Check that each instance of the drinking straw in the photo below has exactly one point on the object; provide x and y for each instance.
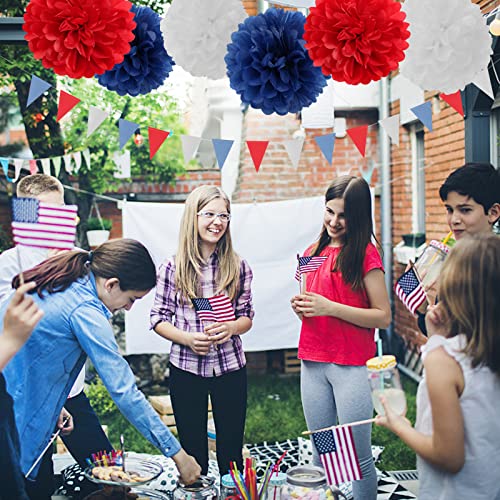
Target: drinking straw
(277, 465)
(447, 237)
(267, 475)
(238, 481)
(378, 340)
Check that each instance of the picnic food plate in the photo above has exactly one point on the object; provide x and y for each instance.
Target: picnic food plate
(138, 471)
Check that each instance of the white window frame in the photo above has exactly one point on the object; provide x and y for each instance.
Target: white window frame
(417, 138)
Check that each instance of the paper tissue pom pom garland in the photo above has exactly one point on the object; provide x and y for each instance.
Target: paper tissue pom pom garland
(449, 44)
(79, 39)
(268, 65)
(147, 64)
(356, 41)
(197, 32)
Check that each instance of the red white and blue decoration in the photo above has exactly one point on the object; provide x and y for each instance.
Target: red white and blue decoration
(197, 32)
(147, 65)
(356, 41)
(214, 309)
(79, 39)
(268, 65)
(449, 46)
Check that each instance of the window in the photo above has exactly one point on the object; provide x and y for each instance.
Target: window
(495, 132)
(418, 177)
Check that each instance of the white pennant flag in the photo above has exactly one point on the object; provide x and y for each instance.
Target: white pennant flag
(96, 117)
(482, 82)
(57, 165)
(294, 149)
(45, 165)
(189, 146)
(67, 163)
(18, 165)
(391, 127)
(77, 158)
(122, 162)
(86, 156)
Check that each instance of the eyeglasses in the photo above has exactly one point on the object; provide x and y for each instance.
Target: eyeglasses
(224, 217)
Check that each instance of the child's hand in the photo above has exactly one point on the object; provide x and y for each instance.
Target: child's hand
(220, 333)
(67, 426)
(295, 307)
(312, 304)
(391, 420)
(199, 343)
(436, 321)
(21, 317)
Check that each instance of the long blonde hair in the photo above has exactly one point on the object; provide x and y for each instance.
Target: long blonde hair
(469, 292)
(189, 259)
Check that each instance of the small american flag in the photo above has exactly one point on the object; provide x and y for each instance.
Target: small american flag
(410, 291)
(338, 454)
(307, 264)
(215, 309)
(37, 224)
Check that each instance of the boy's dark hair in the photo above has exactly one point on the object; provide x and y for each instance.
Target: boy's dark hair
(480, 181)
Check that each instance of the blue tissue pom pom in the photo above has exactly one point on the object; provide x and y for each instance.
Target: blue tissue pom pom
(147, 65)
(268, 65)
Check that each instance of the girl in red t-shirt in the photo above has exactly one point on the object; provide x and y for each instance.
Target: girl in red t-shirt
(344, 300)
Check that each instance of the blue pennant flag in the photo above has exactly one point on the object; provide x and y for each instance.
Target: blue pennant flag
(222, 148)
(424, 113)
(5, 168)
(37, 88)
(326, 144)
(126, 129)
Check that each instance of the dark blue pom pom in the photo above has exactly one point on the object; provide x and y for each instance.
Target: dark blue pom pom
(147, 64)
(268, 65)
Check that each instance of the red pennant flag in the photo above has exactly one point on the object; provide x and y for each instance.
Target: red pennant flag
(66, 103)
(156, 139)
(257, 151)
(33, 167)
(454, 100)
(358, 136)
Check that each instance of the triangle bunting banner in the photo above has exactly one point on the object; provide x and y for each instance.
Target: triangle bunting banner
(424, 113)
(37, 88)
(189, 146)
(326, 144)
(96, 117)
(454, 100)
(482, 82)
(257, 151)
(66, 103)
(391, 127)
(156, 138)
(358, 135)
(294, 149)
(222, 148)
(126, 129)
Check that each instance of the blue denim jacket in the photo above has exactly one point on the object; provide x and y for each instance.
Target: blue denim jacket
(39, 378)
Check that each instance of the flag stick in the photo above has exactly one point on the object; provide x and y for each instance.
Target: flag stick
(350, 424)
(21, 277)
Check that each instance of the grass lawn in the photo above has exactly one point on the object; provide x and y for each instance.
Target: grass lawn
(274, 414)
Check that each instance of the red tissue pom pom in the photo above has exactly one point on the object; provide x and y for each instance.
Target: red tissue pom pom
(356, 41)
(79, 38)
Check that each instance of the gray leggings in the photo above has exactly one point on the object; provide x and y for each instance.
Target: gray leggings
(333, 392)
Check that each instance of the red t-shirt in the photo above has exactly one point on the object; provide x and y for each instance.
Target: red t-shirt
(331, 340)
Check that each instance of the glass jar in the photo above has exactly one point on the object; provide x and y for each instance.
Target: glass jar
(306, 482)
(275, 486)
(384, 380)
(227, 488)
(202, 489)
(429, 264)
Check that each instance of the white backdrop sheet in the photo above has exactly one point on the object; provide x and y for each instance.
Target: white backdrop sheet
(268, 235)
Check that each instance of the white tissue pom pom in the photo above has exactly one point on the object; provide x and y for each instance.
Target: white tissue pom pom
(449, 44)
(197, 33)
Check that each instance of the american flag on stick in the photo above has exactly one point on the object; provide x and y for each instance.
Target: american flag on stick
(410, 291)
(37, 224)
(214, 309)
(307, 264)
(338, 454)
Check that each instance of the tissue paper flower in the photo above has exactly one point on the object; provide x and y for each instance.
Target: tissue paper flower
(449, 44)
(268, 65)
(79, 38)
(147, 64)
(197, 32)
(356, 41)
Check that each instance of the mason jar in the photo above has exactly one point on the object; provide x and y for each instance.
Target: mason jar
(275, 486)
(227, 487)
(202, 489)
(306, 482)
(429, 264)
